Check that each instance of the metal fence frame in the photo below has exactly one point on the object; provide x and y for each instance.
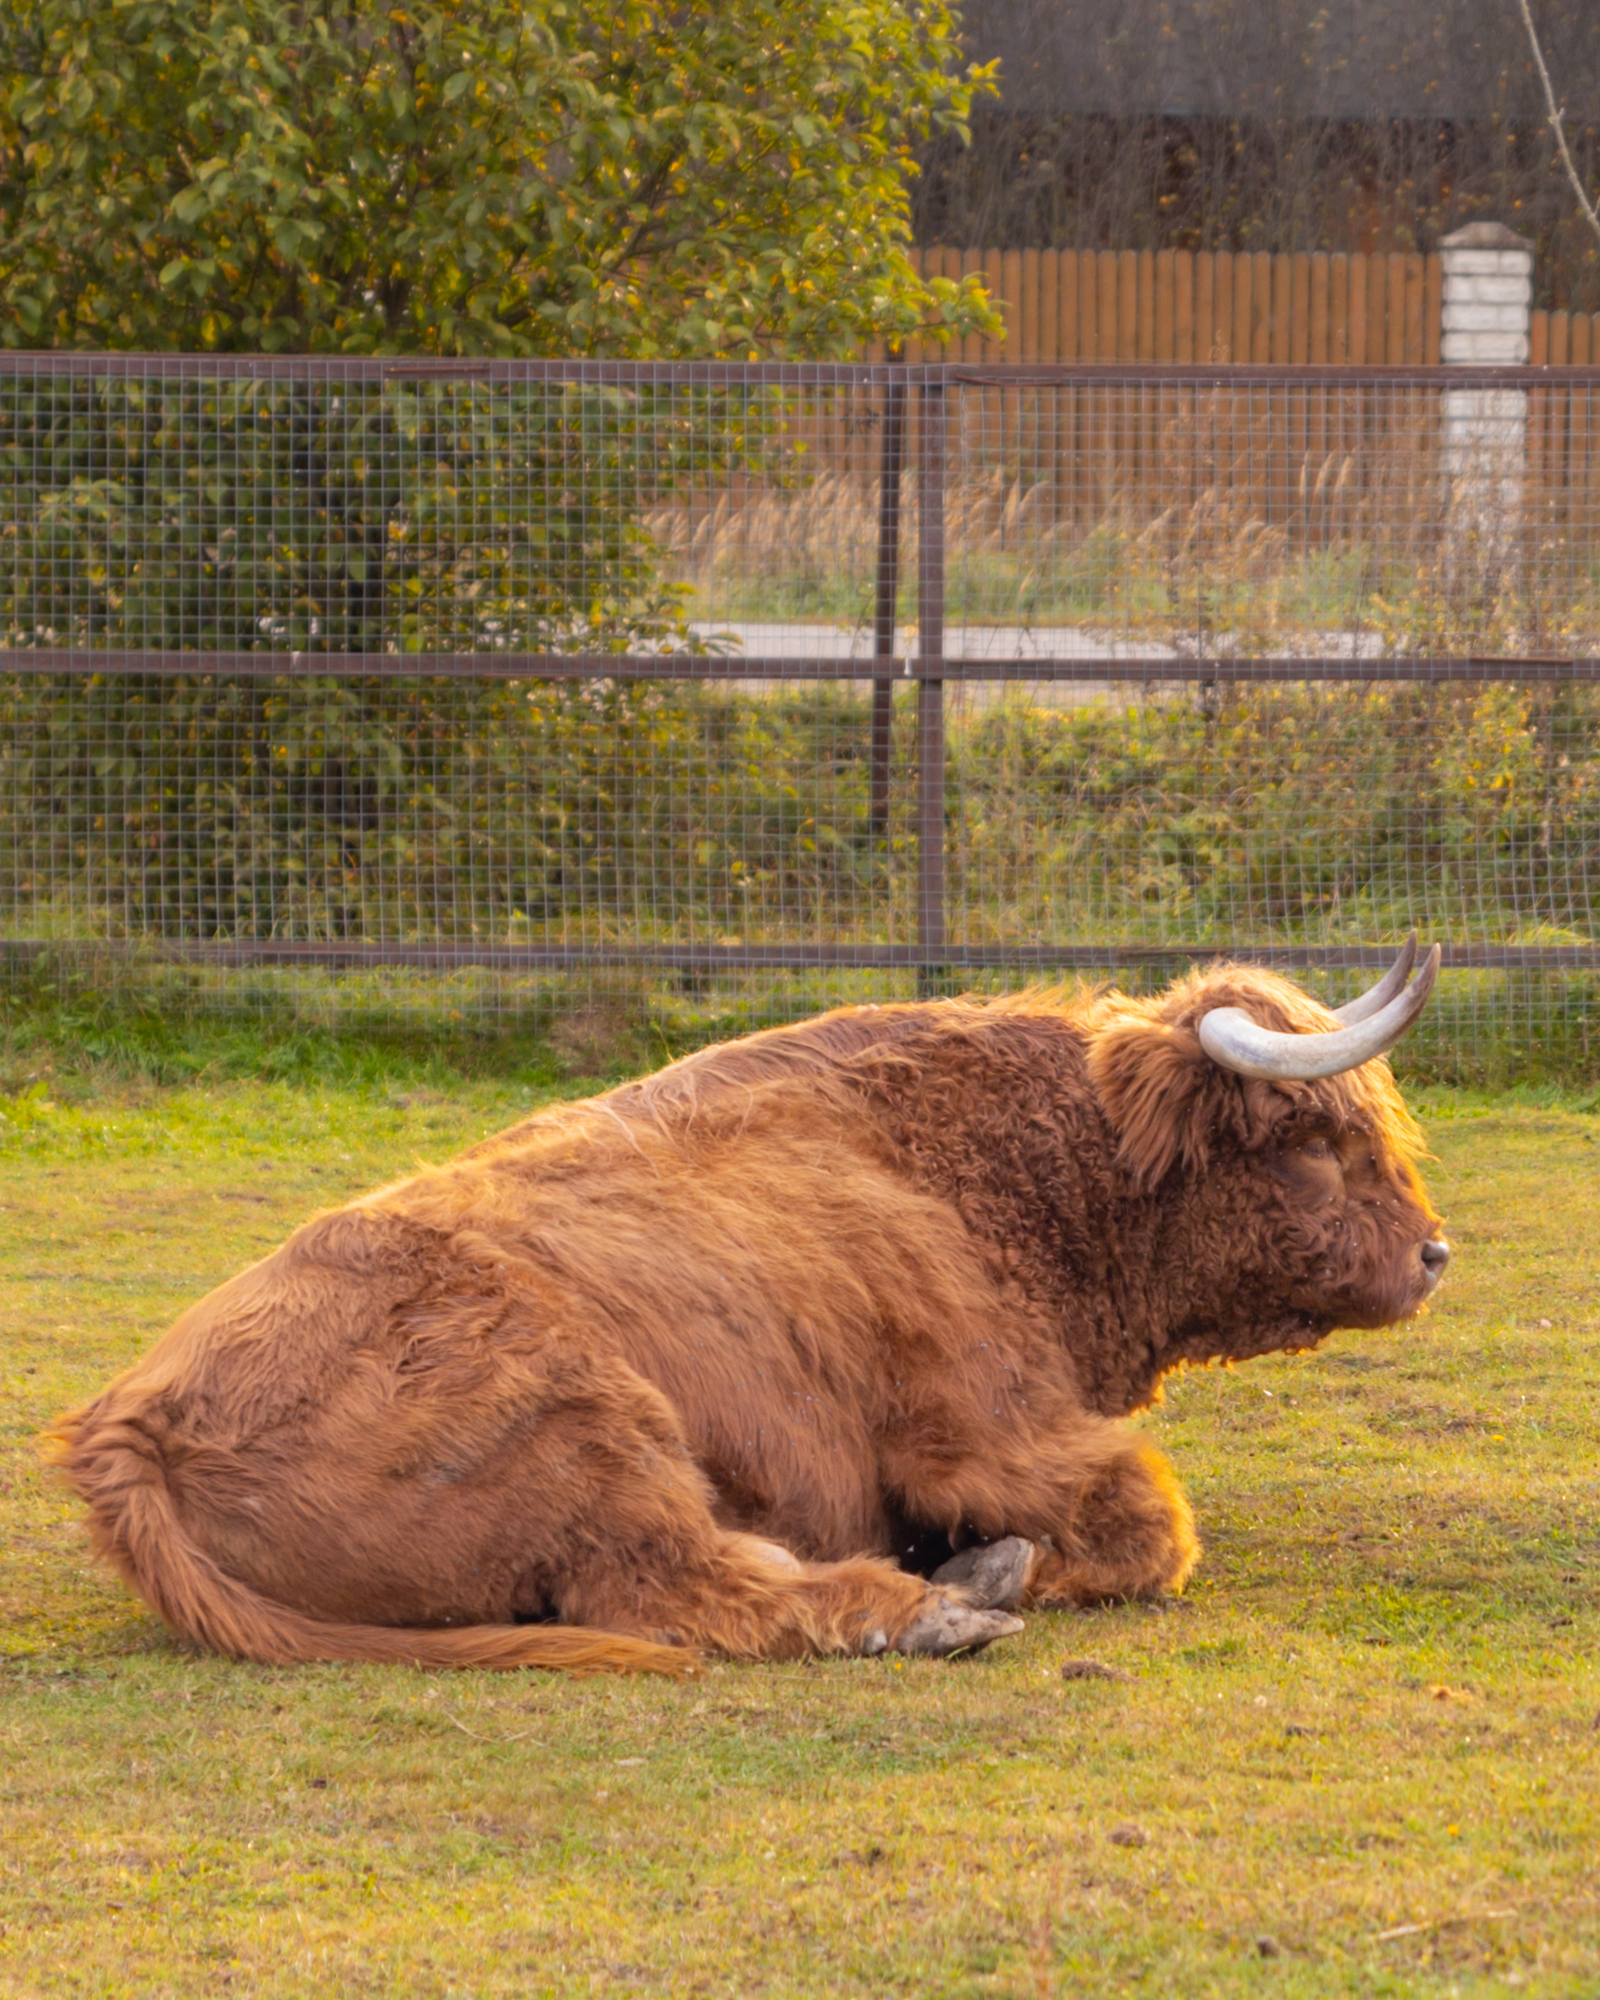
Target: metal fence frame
(931, 669)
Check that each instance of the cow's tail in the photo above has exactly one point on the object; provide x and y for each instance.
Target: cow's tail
(138, 1527)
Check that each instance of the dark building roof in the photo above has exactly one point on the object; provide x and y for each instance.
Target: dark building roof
(1458, 61)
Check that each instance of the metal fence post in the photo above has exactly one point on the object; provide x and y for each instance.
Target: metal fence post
(932, 446)
(890, 466)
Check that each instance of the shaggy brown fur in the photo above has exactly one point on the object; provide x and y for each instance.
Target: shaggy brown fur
(888, 1275)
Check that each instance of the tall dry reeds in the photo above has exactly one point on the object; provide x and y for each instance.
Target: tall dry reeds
(1251, 519)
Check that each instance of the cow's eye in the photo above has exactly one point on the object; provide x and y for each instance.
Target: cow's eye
(1317, 1149)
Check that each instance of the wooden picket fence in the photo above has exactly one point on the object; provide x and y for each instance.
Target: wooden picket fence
(1185, 305)
(1563, 339)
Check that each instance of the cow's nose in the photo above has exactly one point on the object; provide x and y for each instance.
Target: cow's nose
(1435, 1255)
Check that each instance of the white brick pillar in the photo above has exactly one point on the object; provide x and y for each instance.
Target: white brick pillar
(1488, 301)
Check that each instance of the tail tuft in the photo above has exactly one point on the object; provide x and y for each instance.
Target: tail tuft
(118, 1470)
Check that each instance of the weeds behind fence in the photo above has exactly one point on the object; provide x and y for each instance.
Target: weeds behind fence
(368, 692)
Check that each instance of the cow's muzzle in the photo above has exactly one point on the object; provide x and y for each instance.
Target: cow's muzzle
(1435, 1255)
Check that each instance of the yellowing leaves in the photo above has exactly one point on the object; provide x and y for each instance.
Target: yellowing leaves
(475, 179)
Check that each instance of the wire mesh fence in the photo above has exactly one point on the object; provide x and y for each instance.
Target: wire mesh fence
(471, 691)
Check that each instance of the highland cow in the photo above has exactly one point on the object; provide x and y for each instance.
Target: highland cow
(688, 1366)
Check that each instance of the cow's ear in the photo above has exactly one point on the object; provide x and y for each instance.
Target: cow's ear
(1168, 1101)
(1152, 1081)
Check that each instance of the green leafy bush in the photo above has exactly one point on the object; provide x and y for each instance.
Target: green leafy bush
(1284, 814)
(482, 177)
(640, 812)
(165, 808)
(264, 515)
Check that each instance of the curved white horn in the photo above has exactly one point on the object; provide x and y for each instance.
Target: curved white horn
(1230, 1037)
(1367, 1004)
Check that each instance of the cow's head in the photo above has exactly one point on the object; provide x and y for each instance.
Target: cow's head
(1277, 1152)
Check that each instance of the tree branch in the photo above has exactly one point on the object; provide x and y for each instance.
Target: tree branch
(1588, 207)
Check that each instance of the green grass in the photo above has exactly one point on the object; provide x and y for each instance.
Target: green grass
(1403, 1513)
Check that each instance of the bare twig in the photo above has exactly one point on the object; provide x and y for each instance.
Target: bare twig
(1588, 207)
(1440, 1924)
(518, 1738)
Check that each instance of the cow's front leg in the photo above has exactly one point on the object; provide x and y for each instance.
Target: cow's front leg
(1129, 1532)
(630, 1544)
(1100, 1505)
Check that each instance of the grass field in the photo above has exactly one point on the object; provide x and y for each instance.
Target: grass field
(1360, 1757)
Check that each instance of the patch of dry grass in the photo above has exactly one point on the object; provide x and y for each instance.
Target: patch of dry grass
(1259, 540)
(1360, 1757)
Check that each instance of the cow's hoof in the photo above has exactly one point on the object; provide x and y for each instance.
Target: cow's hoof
(945, 1625)
(994, 1577)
